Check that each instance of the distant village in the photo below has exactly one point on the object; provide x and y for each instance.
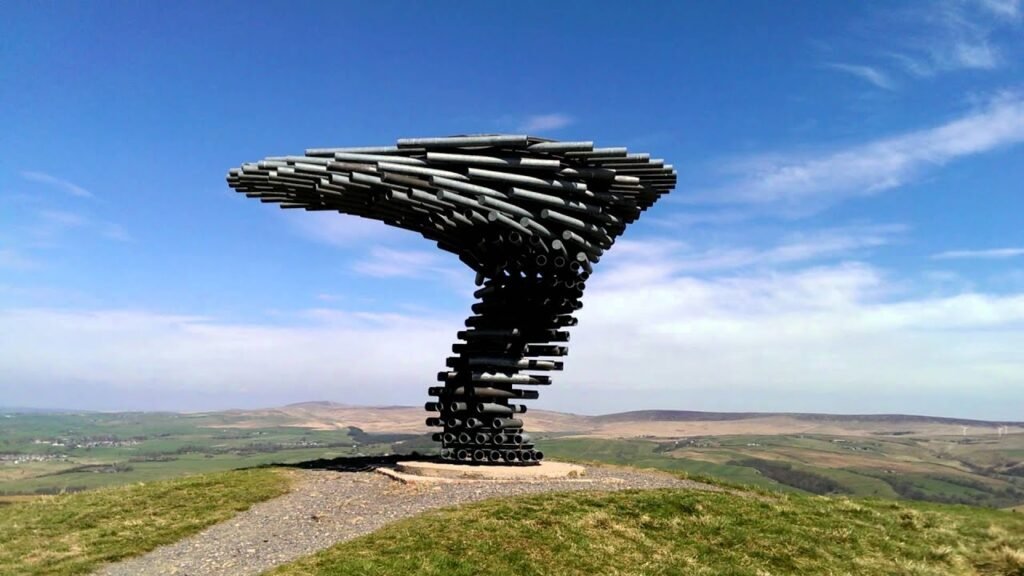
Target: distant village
(85, 442)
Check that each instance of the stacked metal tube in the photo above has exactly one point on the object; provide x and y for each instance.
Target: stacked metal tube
(531, 216)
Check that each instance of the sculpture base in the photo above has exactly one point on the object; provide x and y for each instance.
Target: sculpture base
(546, 470)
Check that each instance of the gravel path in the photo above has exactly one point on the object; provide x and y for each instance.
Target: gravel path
(327, 507)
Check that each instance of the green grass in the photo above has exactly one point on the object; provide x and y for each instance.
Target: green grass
(75, 533)
(665, 532)
(641, 454)
(859, 484)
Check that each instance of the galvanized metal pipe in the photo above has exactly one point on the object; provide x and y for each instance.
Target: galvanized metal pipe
(502, 204)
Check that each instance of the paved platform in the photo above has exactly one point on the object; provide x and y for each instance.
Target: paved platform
(412, 471)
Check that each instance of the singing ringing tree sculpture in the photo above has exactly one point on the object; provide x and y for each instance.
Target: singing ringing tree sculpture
(529, 215)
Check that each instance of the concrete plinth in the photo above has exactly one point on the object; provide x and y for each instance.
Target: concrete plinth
(437, 471)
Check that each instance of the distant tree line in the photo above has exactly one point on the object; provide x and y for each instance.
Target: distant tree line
(981, 494)
(361, 437)
(785, 473)
(115, 468)
(1017, 470)
(152, 458)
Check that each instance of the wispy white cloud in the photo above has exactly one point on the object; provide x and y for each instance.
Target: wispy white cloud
(63, 218)
(51, 225)
(47, 227)
(391, 263)
(957, 34)
(990, 254)
(545, 122)
(794, 249)
(912, 64)
(341, 230)
(69, 187)
(115, 232)
(1005, 9)
(693, 218)
(805, 182)
(422, 265)
(830, 243)
(867, 73)
(12, 259)
(978, 54)
(757, 339)
(328, 297)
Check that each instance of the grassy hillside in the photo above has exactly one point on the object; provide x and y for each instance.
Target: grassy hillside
(644, 454)
(632, 532)
(681, 532)
(75, 533)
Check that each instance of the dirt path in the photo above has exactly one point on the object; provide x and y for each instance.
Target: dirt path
(326, 507)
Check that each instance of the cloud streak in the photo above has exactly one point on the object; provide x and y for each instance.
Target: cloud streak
(328, 228)
(990, 254)
(803, 183)
(11, 259)
(391, 263)
(867, 73)
(545, 122)
(51, 226)
(1009, 10)
(797, 248)
(60, 183)
(957, 35)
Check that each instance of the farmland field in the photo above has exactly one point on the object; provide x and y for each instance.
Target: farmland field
(55, 453)
(951, 470)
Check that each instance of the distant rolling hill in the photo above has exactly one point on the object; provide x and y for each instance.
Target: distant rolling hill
(696, 416)
(323, 415)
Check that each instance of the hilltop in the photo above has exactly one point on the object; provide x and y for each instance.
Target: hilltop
(653, 531)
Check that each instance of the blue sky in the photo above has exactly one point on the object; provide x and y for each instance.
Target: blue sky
(846, 235)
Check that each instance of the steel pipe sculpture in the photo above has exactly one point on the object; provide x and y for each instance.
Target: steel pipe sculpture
(531, 216)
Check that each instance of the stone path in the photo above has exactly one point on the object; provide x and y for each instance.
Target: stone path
(327, 507)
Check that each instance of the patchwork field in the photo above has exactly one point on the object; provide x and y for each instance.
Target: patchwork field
(951, 470)
(55, 453)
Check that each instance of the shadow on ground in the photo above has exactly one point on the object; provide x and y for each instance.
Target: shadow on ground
(357, 463)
